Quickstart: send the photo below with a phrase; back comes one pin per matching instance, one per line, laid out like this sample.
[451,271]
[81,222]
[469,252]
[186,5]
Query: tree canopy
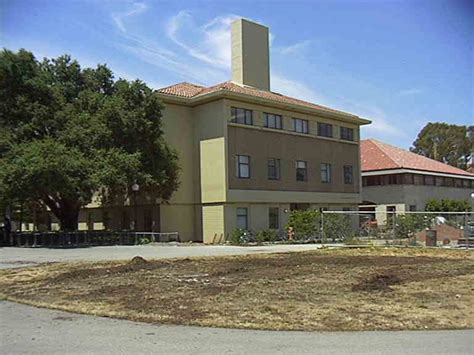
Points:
[69,134]
[448,143]
[448,205]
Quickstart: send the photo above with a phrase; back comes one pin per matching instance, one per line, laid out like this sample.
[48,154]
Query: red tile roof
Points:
[376,155]
[187,90]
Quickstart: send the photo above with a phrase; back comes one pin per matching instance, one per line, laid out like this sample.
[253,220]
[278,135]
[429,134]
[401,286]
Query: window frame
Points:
[304,169]
[326,168]
[246,216]
[247,116]
[351,169]
[304,125]
[277,120]
[347,133]
[239,164]
[277,216]
[325,130]
[277,167]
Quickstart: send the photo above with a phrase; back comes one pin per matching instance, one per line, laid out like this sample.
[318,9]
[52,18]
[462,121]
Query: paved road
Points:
[17,257]
[29,330]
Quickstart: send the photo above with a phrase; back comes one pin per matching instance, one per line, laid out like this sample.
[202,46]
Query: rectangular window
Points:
[273,169]
[243,166]
[324,129]
[273,218]
[466,183]
[457,182]
[449,182]
[242,218]
[429,180]
[241,115]
[300,126]
[412,208]
[325,172]
[301,170]
[439,181]
[273,121]
[347,134]
[418,179]
[348,176]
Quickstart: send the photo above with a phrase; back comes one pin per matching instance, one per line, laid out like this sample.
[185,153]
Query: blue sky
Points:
[399,63]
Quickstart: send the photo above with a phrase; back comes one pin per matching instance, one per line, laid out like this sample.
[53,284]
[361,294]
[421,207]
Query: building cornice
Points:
[226,94]
[414,171]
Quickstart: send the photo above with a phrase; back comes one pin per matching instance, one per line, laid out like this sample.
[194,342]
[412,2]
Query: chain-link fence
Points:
[420,228]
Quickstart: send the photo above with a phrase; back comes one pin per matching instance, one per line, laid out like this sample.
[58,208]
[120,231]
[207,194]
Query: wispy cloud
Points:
[213,38]
[409,92]
[295,88]
[295,48]
[119,18]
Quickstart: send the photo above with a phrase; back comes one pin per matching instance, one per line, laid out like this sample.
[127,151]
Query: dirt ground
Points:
[327,289]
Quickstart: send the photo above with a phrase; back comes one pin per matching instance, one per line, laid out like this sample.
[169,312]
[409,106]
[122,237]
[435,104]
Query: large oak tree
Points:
[448,143]
[69,134]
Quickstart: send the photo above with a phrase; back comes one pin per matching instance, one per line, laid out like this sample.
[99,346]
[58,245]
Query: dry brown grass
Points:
[358,289]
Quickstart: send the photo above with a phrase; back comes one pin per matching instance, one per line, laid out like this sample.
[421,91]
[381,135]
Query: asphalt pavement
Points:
[30,330]
[19,257]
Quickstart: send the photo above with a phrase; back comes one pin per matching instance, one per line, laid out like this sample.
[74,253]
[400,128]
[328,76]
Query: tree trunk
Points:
[69,219]
[66,211]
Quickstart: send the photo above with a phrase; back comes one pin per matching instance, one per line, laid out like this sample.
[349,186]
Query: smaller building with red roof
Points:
[395,179]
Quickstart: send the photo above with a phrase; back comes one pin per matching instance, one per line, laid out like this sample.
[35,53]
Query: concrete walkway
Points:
[18,257]
[29,330]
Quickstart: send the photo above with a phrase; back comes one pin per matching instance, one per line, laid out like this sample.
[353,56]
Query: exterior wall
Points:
[213,224]
[287,118]
[178,218]
[213,170]
[178,131]
[250,54]
[263,144]
[412,194]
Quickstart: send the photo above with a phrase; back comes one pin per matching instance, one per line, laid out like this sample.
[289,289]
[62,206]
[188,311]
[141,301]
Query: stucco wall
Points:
[213,224]
[263,144]
[412,194]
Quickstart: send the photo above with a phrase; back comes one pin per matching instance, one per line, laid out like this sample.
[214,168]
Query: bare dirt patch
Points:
[359,289]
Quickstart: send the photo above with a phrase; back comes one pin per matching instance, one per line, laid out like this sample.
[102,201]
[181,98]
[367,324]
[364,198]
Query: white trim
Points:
[413,171]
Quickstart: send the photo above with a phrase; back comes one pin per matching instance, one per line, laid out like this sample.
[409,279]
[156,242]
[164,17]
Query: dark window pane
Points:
[348,176]
[324,129]
[273,218]
[347,133]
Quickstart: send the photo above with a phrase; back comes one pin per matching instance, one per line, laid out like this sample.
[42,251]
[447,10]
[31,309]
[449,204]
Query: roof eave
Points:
[200,99]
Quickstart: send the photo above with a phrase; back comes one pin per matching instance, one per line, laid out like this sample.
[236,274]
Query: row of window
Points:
[301,170]
[416,179]
[244,116]
[273,215]
[273,218]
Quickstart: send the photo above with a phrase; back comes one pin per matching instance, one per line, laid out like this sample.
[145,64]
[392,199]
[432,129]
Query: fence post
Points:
[323,239]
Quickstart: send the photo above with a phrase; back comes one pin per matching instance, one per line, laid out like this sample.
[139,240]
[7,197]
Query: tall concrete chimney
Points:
[250,54]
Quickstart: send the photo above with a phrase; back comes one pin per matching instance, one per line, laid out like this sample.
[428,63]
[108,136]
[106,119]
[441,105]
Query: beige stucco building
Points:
[248,155]
[395,180]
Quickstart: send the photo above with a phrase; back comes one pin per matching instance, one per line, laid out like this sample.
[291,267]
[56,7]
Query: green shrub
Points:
[337,227]
[237,236]
[305,224]
[268,235]
[407,225]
